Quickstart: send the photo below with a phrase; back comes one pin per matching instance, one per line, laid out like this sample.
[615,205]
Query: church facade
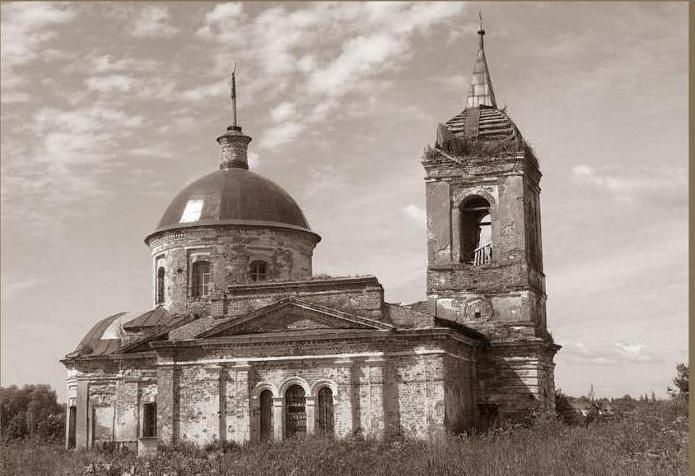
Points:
[244,344]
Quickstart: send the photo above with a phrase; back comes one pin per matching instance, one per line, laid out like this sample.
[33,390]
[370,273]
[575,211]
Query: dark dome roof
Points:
[233,196]
[483,123]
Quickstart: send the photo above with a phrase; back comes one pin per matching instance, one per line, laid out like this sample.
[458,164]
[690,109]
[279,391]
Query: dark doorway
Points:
[72,421]
[295,411]
[266,415]
[326,411]
[149,420]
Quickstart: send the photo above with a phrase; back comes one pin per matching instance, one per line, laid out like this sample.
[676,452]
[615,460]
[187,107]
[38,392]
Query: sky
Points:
[109,109]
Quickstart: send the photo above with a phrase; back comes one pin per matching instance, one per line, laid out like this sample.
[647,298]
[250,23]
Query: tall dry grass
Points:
[652,440]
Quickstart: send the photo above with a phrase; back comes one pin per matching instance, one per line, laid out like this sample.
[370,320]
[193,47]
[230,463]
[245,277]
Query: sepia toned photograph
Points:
[344,238]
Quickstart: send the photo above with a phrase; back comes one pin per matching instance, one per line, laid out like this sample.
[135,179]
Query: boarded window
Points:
[476,231]
[149,420]
[266,414]
[326,410]
[202,279]
[295,411]
[258,271]
[160,285]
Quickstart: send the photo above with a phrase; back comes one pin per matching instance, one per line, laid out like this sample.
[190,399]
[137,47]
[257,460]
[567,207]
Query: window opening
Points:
[326,410]
[266,414]
[160,284]
[476,231]
[202,279]
[295,411]
[258,271]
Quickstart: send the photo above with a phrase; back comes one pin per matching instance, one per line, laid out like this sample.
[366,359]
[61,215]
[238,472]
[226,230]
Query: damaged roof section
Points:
[111,334]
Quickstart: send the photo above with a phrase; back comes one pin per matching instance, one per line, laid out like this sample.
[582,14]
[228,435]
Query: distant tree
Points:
[564,410]
[681,381]
[30,410]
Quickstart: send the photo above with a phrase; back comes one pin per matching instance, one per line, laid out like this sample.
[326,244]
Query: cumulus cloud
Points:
[12,287]
[283,112]
[280,134]
[26,28]
[629,185]
[416,213]
[153,22]
[320,53]
[618,353]
[220,23]
[110,83]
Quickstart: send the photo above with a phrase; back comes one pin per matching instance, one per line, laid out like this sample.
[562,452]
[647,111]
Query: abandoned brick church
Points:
[244,344]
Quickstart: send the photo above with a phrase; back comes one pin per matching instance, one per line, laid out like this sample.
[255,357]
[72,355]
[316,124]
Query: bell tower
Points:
[485,262]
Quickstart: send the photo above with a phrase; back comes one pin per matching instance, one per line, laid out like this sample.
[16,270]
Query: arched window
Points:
[326,411]
[476,231]
[160,285]
[266,414]
[258,271]
[202,279]
[295,411]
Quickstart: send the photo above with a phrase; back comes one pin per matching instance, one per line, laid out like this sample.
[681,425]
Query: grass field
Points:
[651,440]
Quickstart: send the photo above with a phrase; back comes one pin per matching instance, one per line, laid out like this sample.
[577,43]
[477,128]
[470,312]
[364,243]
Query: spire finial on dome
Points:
[480,91]
[234,143]
[232,94]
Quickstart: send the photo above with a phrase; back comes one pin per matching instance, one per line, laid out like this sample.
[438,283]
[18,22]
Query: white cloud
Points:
[283,112]
[280,134]
[26,27]
[628,185]
[108,64]
[618,353]
[216,89]
[416,213]
[221,22]
[110,83]
[153,21]
[11,288]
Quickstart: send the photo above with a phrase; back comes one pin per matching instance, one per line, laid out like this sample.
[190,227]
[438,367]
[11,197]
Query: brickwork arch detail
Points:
[258,389]
[319,384]
[288,382]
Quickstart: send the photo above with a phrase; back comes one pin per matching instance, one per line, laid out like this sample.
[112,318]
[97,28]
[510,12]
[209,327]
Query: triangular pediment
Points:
[292,316]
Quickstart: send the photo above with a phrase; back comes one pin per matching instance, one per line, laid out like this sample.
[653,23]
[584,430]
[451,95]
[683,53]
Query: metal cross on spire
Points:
[232,94]
[480,90]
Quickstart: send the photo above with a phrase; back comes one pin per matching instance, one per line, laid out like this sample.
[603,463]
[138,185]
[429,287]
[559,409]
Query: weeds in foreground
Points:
[652,440]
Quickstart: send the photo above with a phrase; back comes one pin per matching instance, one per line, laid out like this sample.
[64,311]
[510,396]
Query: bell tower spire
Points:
[480,91]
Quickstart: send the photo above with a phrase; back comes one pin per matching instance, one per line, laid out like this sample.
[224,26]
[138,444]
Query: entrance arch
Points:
[295,411]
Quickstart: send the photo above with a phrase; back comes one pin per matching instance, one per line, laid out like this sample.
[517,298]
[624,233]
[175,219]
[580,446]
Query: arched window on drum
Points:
[476,231]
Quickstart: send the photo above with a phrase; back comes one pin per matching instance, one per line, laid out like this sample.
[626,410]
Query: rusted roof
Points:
[106,336]
[482,123]
[93,342]
[157,317]
[233,196]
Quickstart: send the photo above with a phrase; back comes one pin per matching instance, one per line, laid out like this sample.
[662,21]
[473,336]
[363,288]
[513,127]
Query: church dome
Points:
[233,196]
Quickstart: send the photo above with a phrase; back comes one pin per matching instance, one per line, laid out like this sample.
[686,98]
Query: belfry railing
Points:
[482,255]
